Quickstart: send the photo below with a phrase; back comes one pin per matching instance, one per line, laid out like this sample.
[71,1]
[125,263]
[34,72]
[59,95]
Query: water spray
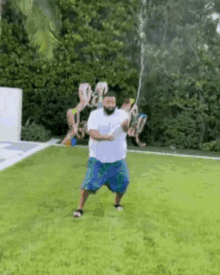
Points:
[142,22]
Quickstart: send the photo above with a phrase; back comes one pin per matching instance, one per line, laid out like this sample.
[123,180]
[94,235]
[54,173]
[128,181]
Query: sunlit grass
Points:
[170,224]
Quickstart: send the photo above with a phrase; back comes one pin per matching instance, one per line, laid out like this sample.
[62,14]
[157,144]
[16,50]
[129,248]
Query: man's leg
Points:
[118,198]
[122,178]
[98,170]
[82,199]
[84,195]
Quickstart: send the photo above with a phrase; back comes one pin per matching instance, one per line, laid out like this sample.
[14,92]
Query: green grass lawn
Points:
[171,222]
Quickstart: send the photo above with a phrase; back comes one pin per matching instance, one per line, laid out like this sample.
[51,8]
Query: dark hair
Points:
[110,94]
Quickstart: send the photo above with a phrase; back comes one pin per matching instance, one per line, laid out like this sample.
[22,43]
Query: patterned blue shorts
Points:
[114,175]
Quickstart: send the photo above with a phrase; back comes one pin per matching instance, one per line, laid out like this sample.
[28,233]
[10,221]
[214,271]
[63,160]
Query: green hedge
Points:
[84,54]
[212,146]
[183,131]
[34,132]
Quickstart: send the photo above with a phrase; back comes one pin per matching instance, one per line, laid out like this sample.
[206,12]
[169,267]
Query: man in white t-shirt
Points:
[107,128]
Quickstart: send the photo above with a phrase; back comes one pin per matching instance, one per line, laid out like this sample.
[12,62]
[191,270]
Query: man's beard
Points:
[108,111]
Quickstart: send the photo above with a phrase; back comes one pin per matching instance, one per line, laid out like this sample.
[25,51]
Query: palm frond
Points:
[25,6]
[43,23]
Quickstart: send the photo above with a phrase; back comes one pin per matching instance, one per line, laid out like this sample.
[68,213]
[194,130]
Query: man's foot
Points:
[78,213]
[119,207]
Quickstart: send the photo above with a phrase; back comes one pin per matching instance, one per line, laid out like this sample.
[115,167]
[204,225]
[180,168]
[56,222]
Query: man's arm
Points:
[125,125]
[97,136]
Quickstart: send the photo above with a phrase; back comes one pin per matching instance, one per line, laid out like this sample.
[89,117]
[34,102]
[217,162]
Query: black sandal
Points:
[118,206]
[78,213]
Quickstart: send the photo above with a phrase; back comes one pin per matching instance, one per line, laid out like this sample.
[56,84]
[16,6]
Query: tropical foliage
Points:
[92,41]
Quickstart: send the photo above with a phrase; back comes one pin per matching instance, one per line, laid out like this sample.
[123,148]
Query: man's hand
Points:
[105,138]
[110,137]
[125,125]
[131,132]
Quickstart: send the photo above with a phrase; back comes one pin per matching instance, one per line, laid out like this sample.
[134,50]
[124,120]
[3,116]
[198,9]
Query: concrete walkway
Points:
[13,152]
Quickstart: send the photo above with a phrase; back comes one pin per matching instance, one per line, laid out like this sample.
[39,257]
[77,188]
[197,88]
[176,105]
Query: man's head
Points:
[109,103]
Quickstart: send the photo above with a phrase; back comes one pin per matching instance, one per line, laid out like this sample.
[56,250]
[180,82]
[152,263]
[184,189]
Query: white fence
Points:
[10,114]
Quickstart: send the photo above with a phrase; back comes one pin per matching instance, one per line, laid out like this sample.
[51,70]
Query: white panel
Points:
[10,114]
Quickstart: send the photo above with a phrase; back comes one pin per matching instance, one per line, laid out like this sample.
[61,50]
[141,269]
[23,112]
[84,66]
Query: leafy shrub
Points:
[212,146]
[183,131]
[35,132]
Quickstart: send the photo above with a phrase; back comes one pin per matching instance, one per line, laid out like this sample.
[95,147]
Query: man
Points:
[106,165]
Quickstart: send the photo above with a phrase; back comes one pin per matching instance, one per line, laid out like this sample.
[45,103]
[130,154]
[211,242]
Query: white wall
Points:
[10,114]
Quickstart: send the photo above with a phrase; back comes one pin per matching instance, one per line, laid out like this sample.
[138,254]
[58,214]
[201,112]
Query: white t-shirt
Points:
[107,151]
